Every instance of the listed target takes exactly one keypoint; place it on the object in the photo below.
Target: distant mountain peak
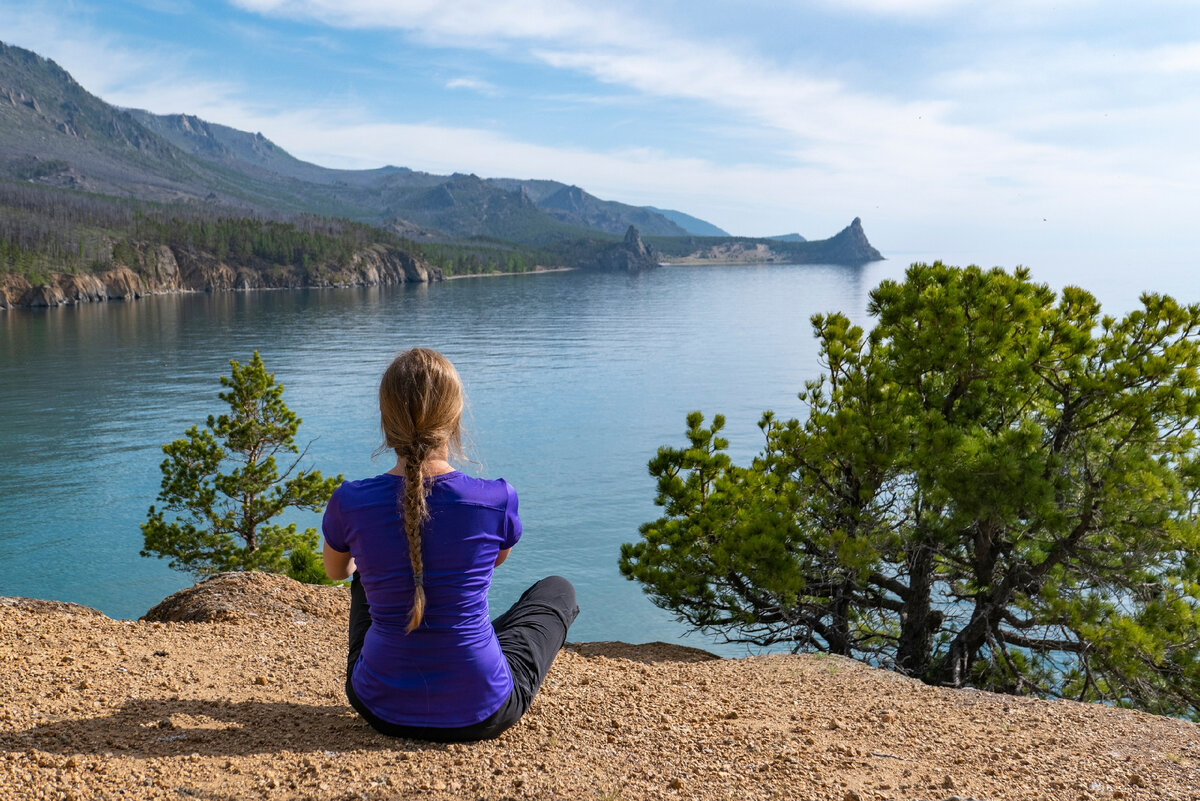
(574, 205)
(690, 225)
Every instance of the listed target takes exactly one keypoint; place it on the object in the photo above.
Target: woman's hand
(338, 566)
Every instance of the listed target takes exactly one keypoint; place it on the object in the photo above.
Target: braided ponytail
(414, 512)
(420, 410)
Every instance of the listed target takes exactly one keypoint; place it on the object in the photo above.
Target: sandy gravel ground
(245, 701)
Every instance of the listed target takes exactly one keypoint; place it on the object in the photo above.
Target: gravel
(234, 691)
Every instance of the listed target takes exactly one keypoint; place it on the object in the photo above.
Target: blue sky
(947, 125)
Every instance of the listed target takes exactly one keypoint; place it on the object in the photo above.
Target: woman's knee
(560, 593)
(556, 586)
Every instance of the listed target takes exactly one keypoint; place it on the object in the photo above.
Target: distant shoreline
(498, 274)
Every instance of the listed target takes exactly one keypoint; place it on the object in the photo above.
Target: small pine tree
(222, 519)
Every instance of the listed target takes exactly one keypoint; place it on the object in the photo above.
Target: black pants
(530, 634)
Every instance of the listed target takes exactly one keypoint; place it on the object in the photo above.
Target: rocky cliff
(848, 246)
(632, 255)
(161, 269)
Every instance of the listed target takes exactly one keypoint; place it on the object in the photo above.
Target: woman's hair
(420, 408)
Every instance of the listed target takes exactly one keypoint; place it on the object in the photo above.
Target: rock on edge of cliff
(251, 595)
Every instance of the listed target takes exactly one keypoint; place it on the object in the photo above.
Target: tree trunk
(839, 629)
(918, 620)
(953, 668)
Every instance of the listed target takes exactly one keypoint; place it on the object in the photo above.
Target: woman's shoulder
(494, 492)
(364, 491)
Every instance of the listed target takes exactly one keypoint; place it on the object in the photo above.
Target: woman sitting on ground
(422, 541)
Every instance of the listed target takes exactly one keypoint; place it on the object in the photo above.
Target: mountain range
(56, 134)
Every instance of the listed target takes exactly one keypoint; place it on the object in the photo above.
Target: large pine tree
(995, 487)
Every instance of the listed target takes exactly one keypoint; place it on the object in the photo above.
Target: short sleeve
(512, 522)
(331, 525)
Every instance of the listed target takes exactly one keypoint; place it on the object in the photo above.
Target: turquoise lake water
(574, 379)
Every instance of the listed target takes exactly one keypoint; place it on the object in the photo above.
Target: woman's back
(450, 670)
(421, 542)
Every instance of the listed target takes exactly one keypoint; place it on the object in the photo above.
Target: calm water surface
(574, 379)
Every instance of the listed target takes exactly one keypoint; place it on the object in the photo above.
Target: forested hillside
(87, 189)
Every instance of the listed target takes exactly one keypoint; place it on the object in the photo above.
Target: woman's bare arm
(338, 565)
(500, 557)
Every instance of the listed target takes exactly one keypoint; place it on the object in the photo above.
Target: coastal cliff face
(848, 246)
(234, 689)
(631, 255)
(161, 269)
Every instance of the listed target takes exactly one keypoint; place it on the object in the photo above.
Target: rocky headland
(631, 255)
(233, 689)
(849, 246)
(161, 269)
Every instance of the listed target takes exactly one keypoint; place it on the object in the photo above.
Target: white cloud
(843, 131)
(473, 85)
(463, 20)
(855, 136)
(1175, 58)
(901, 8)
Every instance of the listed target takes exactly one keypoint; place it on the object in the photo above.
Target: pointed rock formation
(632, 255)
(848, 246)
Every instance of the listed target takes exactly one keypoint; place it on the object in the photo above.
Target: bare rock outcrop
(380, 266)
(83, 288)
(159, 269)
(251, 595)
(848, 246)
(631, 255)
(43, 295)
(38, 606)
(122, 283)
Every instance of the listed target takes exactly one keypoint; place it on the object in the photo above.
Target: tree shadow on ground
(174, 727)
(647, 653)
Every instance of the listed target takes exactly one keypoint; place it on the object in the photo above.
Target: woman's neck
(436, 463)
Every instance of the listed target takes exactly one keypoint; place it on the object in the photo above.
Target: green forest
(47, 230)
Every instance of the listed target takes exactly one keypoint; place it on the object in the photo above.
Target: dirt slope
(244, 701)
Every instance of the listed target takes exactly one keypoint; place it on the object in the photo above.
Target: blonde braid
(415, 514)
(420, 411)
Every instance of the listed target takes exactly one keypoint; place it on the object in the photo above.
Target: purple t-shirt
(449, 671)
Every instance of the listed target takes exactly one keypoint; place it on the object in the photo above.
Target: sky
(985, 129)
